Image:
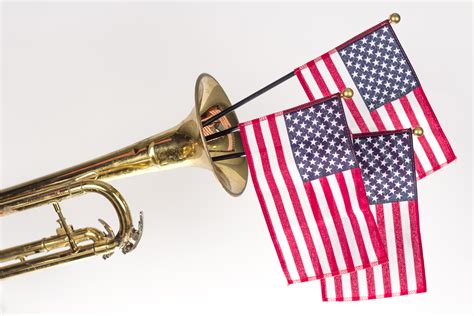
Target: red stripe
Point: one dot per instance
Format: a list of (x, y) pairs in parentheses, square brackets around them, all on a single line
[(336, 217), (318, 78), (377, 120), (422, 139), (398, 125), (419, 168), (398, 229), (417, 248), (295, 200), (263, 204), (338, 288), (393, 116), (369, 218), (278, 201), (324, 290), (352, 217), (313, 202), (304, 84), (369, 274), (355, 286), (341, 86), (434, 124), (387, 282)]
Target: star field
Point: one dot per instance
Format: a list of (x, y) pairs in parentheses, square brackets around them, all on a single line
[(319, 139), (379, 68), (387, 166)]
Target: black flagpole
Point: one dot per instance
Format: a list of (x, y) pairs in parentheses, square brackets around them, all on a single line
[(394, 18), (229, 156), (222, 133), (247, 99), (233, 108), (346, 94)]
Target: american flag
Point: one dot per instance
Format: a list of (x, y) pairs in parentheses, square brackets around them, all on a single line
[(310, 189), (390, 95), (388, 171)]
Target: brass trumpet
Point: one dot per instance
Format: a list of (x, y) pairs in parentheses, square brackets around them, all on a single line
[(182, 145)]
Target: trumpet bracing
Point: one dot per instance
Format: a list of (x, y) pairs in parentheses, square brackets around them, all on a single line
[(182, 145)]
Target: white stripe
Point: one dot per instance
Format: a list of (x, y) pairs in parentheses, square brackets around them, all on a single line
[(392, 249), (346, 285), (330, 288), (427, 132), (331, 227), (362, 281), (393, 260), (357, 98), (346, 223), (307, 210), (269, 201), (327, 78), (378, 280), (308, 77), (351, 188), (285, 196), (387, 121), (420, 152), (378, 275), (320, 93), (407, 246), (333, 88)]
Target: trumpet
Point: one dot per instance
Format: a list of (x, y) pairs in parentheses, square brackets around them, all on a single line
[(183, 145)]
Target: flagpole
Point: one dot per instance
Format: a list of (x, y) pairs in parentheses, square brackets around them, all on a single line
[(394, 18), (229, 156), (247, 99), (222, 133), (346, 94)]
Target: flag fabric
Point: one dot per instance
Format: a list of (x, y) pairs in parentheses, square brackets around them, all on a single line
[(310, 189), (388, 170), (390, 95)]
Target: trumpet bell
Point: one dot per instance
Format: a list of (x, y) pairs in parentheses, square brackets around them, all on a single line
[(183, 145), (210, 100)]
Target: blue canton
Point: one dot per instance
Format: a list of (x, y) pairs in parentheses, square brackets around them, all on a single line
[(379, 68), (320, 140), (387, 166)]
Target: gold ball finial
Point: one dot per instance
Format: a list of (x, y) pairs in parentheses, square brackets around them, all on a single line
[(395, 18), (348, 93), (418, 131)]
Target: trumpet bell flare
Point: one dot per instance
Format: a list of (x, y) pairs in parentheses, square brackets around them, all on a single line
[(211, 99)]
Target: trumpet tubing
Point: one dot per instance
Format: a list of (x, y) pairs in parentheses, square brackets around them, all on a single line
[(182, 145)]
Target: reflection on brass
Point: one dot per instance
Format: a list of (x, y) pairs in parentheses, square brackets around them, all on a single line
[(348, 93), (394, 18), (182, 145), (418, 131)]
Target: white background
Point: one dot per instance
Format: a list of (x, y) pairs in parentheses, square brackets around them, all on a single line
[(80, 80)]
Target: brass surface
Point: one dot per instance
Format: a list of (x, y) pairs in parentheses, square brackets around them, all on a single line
[(394, 18), (348, 93), (418, 131), (182, 145)]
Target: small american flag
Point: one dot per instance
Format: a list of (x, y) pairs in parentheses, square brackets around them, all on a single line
[(310, 189), (390, 95), (388, 171)]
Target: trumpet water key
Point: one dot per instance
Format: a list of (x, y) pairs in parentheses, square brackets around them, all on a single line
[(182, 145)]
